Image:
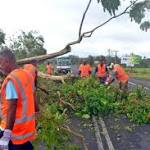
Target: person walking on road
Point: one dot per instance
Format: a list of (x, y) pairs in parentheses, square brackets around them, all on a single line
[(85, 70), (17, 126)]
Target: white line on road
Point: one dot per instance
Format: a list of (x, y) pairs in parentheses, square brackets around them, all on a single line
[(97, 134), (137, 84), (132, 83), (105, 133)]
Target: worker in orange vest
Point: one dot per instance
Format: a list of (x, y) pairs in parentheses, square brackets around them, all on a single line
[(17, 127), (117, 72), (101, 70), (85, 70), (32, 68), (49, 68)]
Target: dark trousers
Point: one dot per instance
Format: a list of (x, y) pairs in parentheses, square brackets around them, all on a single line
[(25, 146), (102, 80)]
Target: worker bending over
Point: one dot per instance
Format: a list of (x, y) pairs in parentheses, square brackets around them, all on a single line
[(17, 127), (117, 72), (85, 70)]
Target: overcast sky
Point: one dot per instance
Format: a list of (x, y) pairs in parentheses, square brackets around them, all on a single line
[(58, 21)]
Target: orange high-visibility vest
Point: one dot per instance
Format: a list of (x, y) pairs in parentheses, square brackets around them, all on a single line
[(24, 127), (85, 69), (31, 69), (49, 69), (121, 74), (101, 72)]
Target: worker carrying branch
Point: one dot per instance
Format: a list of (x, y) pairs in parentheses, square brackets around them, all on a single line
[(17, 126)]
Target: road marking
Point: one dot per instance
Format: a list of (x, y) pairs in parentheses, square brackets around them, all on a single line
[(97, 134), (132, 83), (105, 132), (137, 84)]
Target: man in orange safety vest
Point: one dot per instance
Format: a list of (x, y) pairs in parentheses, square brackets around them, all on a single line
[(101, 70), (117, 72), (85, 70), (50, 68), (17, 126)]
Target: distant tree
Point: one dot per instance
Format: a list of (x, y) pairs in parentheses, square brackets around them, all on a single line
[(74, 59), (2, 37), (145, 62), (135, 59), (90, 59), (28, 44)]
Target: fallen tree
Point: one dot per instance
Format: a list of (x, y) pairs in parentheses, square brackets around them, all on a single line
[(136, 10), (52, 77)]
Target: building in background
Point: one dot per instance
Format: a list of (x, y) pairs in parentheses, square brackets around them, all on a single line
[(131, 60)]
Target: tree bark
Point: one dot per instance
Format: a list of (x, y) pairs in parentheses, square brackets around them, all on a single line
[(67, 49)]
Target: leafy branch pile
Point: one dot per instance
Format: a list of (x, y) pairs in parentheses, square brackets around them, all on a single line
[(84, 97), (91, 98), (52, 119)]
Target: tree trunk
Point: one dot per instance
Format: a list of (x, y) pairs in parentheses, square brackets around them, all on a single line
[(44, 57)]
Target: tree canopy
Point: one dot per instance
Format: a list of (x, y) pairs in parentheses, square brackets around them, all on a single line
[(28, 44), (137, 10), (2, 37)]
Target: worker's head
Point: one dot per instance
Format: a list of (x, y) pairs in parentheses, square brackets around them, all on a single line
[(7, 61), (102, 60), (84, 62), (48, 63), (111, 66), (34, 62)]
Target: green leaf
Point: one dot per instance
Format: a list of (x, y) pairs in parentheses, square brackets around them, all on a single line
[(86, 116)]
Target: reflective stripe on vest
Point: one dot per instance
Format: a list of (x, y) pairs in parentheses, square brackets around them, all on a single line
[(32, 79), (24, 104), (19, 137)]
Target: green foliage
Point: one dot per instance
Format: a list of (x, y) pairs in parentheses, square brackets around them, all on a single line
[(28, 44), (138, 112), (137, 13), (49, 124), (91, 98), (2, 37), (145, 25), (51, 118), (138, 93), (135, 59), (110, 5)]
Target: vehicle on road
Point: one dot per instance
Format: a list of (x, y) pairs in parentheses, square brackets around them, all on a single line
[(63, 65)]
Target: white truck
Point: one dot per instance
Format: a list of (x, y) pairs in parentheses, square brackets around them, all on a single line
[(63, 65)]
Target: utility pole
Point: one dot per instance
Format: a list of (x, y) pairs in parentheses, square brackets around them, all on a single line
[(115, 51), (109, 58)]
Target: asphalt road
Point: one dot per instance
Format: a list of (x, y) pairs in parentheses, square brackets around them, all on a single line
[(143, 82)]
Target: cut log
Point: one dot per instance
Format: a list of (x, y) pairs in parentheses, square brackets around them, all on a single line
[(56, 78), (44, 57)]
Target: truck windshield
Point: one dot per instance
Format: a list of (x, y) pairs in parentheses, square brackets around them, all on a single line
[(63, 62)]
